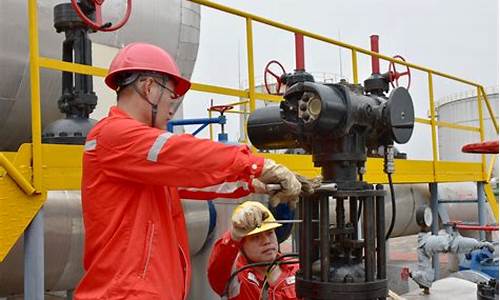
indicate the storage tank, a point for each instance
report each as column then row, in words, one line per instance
column 462, row 109
column 171, row 24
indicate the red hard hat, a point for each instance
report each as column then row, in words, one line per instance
column 146, row 57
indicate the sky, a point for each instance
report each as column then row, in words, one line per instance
column 459, row 37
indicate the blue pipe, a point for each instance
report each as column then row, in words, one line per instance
column 200, row 121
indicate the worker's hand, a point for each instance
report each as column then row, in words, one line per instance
column 259, row 187
column 308, row 185
column 246, row 220
column 274, row 173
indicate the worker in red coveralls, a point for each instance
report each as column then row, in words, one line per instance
column 134, row 174
column 251, row 239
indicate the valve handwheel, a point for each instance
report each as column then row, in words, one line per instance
column 98, row 25
column 268, row 71
column 221, row 108
column 395, row 75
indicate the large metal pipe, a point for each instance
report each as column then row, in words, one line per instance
column 64, row 243
column 64, row 234
column 409, row 197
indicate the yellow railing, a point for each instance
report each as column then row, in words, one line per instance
column 47, row 163
column 433, row 122
column 37, row 62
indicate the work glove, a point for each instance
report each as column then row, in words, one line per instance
column 273, row 173
column 246, row 220
column 308, row 185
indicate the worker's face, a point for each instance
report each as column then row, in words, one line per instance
column 261, row 247
column 162, row 93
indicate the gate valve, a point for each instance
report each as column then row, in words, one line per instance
column 277, row 78
column 395, row 75
column 98, row 25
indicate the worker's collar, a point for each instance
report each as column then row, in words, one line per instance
column 115, row 111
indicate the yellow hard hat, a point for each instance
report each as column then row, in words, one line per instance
column 268, row 222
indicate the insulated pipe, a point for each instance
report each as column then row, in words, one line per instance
column 64, row 233
column 409, row 197
column 64, row 243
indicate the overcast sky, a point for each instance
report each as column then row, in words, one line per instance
column 459, row 37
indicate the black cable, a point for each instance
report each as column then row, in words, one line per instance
column 393, row 202
column 259, row 264
column 277, row 259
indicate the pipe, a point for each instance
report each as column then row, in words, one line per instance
column 64, row 244
column 300, row 64
column 34, row 258
column 64, row 233
column 374, row 48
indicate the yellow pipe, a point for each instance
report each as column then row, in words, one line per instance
column 36, row 121
column 240, row 112
column 200, row 87
column 18, row 178
column 59, row 65
column 251, row 72
column 325, row 39
column 490, row 109
column 354, row 66
column 457, row 126
column 492, row 165
column 491, row 199
column 268, row 97
column 435, row 157
column 481, row 129
column 423, row 121
column 238, row 103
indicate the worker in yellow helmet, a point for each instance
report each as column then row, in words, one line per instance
column 251, row 239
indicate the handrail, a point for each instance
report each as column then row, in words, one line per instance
column 250, row 93
column 36, row 114
column 18, row 178
column 325, row 39
column 433, row 122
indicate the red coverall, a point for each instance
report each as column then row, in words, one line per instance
column 247, row 285
column 136, row 244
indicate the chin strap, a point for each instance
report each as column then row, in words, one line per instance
column 154, row 107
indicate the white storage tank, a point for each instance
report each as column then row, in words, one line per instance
column 462, row 109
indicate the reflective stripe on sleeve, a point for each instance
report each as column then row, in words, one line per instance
column 223, row 188
column 154, row 151
column 90, row 145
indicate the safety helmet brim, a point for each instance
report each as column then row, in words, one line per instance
column 269, row 222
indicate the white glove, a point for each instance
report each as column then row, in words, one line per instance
column 246, row 220
column 274, row 173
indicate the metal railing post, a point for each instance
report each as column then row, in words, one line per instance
column 36, row 121
column 435, row 224
column 34, row 258
column 481, row 208
column 432, row 110
column 354, row 66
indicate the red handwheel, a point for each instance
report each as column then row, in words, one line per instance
column 97, row 25
column 395, row 75
column 269, row 71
